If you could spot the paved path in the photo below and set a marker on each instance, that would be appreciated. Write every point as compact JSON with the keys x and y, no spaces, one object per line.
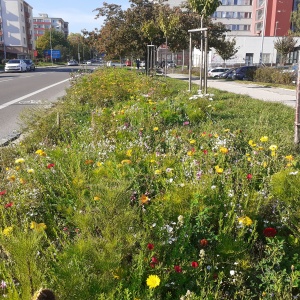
{"x":261,"y":92}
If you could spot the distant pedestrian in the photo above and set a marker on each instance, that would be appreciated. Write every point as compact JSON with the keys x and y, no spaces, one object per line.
{"x":44,"y":294}
{"x":138,"y":63}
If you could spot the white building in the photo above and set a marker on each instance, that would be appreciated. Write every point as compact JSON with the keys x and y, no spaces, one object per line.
{"x":249,"y":52}
{"x":43,"y":22}
{"x":16,"y":36}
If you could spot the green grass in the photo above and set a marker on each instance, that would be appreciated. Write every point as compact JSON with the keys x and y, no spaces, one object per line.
{"x":131,"y":176}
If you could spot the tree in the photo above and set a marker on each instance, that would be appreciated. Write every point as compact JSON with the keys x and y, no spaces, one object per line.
{"x":284,"y":45}
{"x":295,"y":20}
{"x":227,"y":49}
{"x":54,"y":38}
{"x":204,"y":8}
{"x":127,"y":33}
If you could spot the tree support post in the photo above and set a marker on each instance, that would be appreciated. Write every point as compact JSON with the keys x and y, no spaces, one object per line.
{"x":205,"y":57}
{"x":297,"y":114}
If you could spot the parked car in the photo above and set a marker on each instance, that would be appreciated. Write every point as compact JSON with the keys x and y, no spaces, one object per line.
{"x":30,"y":65}
{"x":227,"y":74}
{"x":215,"y":72}
{"x":171,"y":64}
{"x":72,"y":63}
{"x":15,"y":65}
{"x":244,"y":73}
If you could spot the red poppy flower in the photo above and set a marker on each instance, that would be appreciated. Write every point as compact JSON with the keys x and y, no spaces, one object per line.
{"x":203,"y":242}
{"x":177,"y":269}
{"x":10,"y":204}
{"x":2,"y":192}
{"x":269,"y":232}
{"x":50,"y":166}
{"x":205,"y":151}
{"x":150,"y":246}
{"x":194,"y":264}
{"x":154,"y":260}
{"x":249,"y":176}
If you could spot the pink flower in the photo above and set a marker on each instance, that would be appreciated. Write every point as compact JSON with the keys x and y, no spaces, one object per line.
{"x":150,"y":246}
{"x":10,"y":204}
{"x":49,"y":166}
{"x":194,"y":264}
{"x":177,"y":269}
{"x":154,"y":260}
{"x":3,"y":192}
{"x":249,"y":176}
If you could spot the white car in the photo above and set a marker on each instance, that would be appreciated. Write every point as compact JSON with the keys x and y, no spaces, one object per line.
{"x":216,"y":72}
{"x":15,"y":65}
{"x":72,"y":63}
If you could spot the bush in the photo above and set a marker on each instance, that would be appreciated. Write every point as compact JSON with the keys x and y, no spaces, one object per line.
{"x":274,"y":75}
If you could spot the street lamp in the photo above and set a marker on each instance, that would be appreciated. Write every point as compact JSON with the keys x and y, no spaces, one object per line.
{"x":57,"y":27}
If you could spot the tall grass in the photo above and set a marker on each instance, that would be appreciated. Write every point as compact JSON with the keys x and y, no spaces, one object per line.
{"x":131,"y":176}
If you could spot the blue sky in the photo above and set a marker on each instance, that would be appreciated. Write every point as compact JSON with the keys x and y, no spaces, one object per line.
{"x":78,"y":13}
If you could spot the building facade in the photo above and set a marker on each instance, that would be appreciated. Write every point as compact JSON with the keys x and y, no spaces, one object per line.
{"x":255,"y":25}
{"x":16,"y":29}
{"x":43,"y":22}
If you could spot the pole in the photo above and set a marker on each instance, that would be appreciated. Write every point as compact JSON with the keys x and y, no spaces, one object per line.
{"x":51,"y":46}
{"x":190,"y":63}
{"x":297,"y":114}
{"x":166,"y":56}
{"x":263,"y":33}
{"x":205,"y":61}
{"x":201,"y":54}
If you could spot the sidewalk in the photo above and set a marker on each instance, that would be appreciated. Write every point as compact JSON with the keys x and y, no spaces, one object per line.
{"x":261,"y":92}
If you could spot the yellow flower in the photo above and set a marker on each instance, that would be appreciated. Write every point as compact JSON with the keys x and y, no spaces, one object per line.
{"x":11,"y":178}
{"x":223,"y":150}
{"x":190,"y":153}
{"x":219,"y":170}
{"x":264,"y":139}
{"x":251,"y":143}
{"x":226,"y":130}
{"x":30,"y":171}
{"x":144,"y":199}
{"x":192,"y":141}
{"x":7,"y":231}
{"x":126,"y":162}
{"x":245,"y":221}
{"x":99,"y":163}
{"x":19,"y":160}
{"x":40,"y":152}
{"x":289,"y":157}
{"x":155,"y":128}
{"x":129,"y":152}
{"x":22,"y":180}
{"x":153,"y":281}
{"x":216,"y":135}
{"x":96,"y":198}
{"x":152,"y":161}
{"x":273,"y":147}
{"x":157,"y":172}
{"x":38,"y":226}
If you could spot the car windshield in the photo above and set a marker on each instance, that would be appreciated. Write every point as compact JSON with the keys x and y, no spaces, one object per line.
{"x":14,"y":61}
{"x":27,"y":61}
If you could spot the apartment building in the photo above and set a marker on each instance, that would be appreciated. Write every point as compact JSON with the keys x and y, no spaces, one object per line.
{"x":43,"y":22}
{"x":16,"y":29}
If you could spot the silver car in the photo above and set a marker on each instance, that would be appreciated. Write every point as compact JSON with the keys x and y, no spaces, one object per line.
{"x":15,"y":65}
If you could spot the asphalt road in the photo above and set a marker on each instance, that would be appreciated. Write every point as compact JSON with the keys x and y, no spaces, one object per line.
{"x":20,"y":91}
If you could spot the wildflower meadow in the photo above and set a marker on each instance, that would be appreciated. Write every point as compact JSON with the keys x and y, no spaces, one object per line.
{"x":134,"y":188}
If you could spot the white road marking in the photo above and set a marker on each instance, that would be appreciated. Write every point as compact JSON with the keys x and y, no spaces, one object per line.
{"x":31,"y":94}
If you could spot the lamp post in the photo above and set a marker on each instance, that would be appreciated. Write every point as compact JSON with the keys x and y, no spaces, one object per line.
{"x":51,"y":43}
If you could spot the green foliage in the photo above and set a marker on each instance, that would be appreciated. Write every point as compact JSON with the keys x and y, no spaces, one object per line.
{"x":274,"y":75}
{"x":130,"y":176}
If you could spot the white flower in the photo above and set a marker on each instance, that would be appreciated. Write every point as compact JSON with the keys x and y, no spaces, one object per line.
{"x":232,"y":272}
{"x":213,"y":187}
{"x":180,"y":220}
{"x":202,"y":253}
{"x":293,"y":173}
